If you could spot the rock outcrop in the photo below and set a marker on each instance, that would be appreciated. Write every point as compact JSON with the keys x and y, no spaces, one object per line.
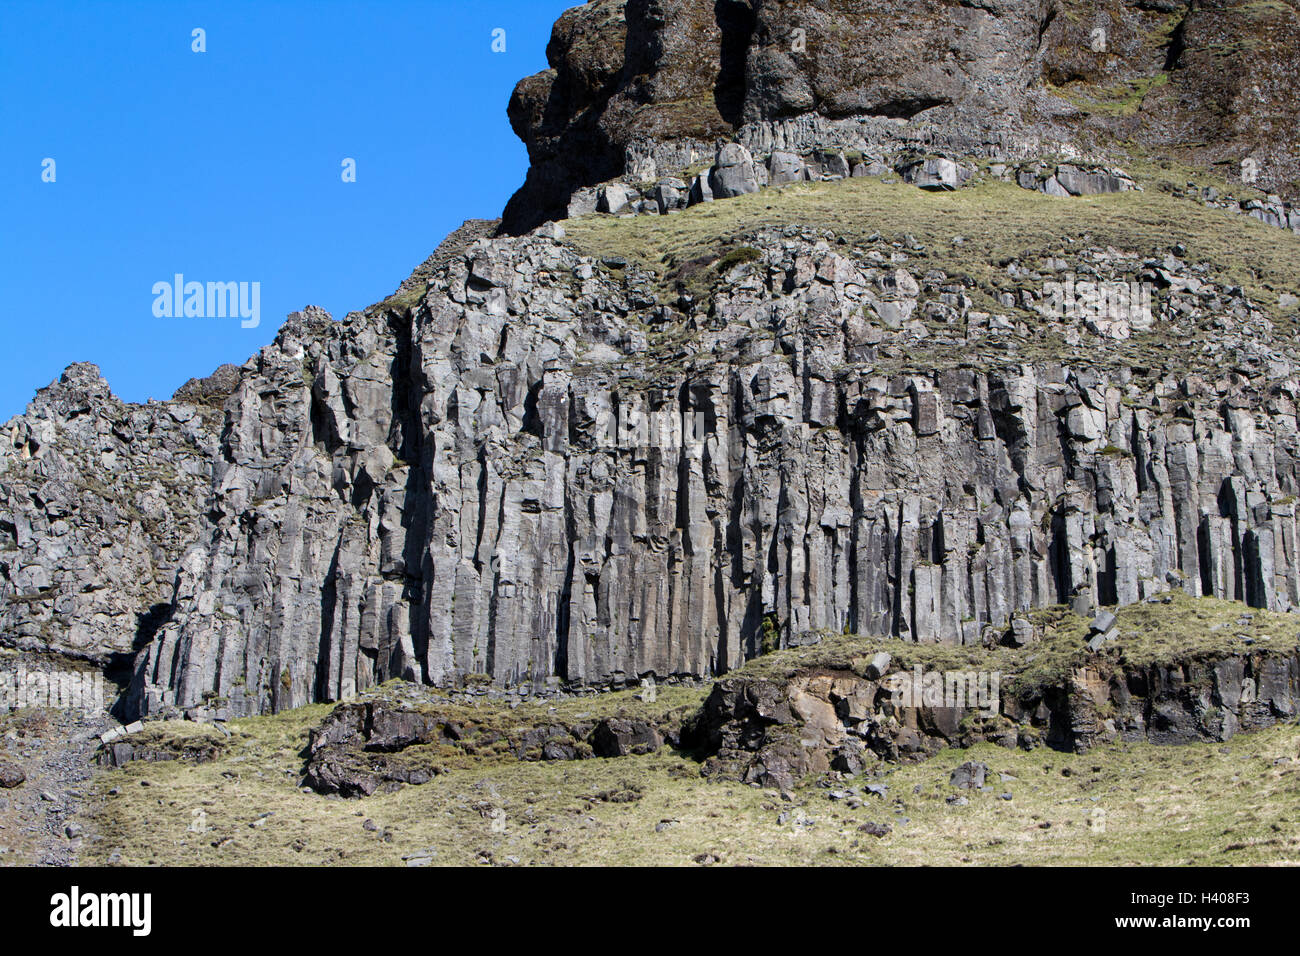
{"x":775,"y":732}
{"x":12,"y":776}
{"x":383,"y":743}
{"x":98,"y":501}
{"x":458,"y":492}
{"x":646,"y":88}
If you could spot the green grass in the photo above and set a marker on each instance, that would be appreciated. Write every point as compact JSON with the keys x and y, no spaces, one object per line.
{"x":1122,"y":99}
{"x":1237,"y":803}
{"x":1233,"y":803}
{"x":737,"y":257}
{"x":1186,"y":629}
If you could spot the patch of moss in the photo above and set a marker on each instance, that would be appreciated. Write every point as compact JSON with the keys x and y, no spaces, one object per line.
{"x":738,"y":256}
{"x":1123,"y":99}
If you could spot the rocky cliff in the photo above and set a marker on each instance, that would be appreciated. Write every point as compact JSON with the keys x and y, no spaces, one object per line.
{"x":637,"y":89}
{"x":1176,"y":671}
{"x":817,"y":400}
{"x":98,"y":501}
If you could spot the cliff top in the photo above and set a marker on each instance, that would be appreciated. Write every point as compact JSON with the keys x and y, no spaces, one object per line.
{"x":1212,"y":83}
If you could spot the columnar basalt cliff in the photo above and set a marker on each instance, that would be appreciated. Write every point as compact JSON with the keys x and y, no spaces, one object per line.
{"x":444,"y":495}
{"x":548,"y":460}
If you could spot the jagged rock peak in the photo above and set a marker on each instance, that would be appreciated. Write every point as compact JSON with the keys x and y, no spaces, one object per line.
{"x":80,"y":382}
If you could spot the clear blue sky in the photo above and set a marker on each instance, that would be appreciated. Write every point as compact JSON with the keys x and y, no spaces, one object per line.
{"x":226,"y":166}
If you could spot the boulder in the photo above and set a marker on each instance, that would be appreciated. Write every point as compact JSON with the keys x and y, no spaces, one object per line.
{"x":583,"y":202}
{"x":11,"y":775}
{"x":733,"y":172}
{"x":1077,"y":182}
{"x":336,"y":775}
{"x":559,"y":748}
{"x":783,"y":765}
{"x":669,"y":194}
{"x":969,"y":776}
{"x":848,"y":758}
{"x":1097,"y":641}
{"x":785,"y":168}
{"x":870,"y":168}
{"x":622,"y":737}
{"x":835,"y":166}
{"x":936,"y":174}
{"x":1020,"y":633}
{"x":1102,"y":630}
{"x":700,"y":190}
{"x":616,"y":198}
{"x":1103,"y":622}
{"x":879,"y":665}
{"x":1053,"y":187}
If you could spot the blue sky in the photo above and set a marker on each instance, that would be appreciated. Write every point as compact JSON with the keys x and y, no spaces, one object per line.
{"x":225,"y":166}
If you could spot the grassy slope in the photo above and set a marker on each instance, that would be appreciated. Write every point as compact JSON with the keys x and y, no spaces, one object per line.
{"x":1233,"y":803}
{"x":998,"y":222}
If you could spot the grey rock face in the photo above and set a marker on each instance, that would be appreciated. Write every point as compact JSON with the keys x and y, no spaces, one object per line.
{"x":98,"y":500}
{"x":498,"y":482}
